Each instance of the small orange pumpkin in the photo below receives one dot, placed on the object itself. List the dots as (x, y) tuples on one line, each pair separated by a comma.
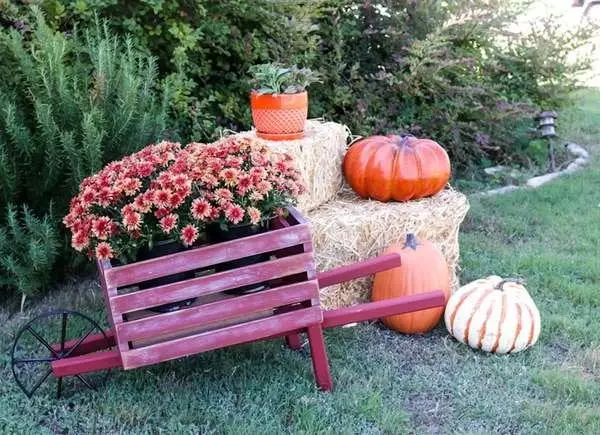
[(423, 270), (396, 168)]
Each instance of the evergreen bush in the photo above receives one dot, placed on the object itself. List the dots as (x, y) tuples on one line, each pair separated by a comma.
[(70, 103)]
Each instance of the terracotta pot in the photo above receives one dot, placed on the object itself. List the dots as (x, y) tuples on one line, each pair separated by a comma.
[(279, 116)]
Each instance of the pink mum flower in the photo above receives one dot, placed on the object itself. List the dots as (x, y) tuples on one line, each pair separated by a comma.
[(254, 215), (168, 223), (132, 221), (141, 204), (162, 197), (87, 197), (244, 184), (104, 251), (281, 166), (131, 186), (223, 195), (234, 213), (264, 187), (201, 209), (79, 241), (256, 196), (189, 234), (101, 227), (229, 176)]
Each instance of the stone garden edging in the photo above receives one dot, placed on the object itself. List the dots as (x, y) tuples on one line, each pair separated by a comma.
[(582, 159)]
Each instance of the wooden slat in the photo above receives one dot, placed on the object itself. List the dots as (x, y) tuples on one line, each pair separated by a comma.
[(229, 336), (206, 256), (216, 311), (358, 270), (211, 283)]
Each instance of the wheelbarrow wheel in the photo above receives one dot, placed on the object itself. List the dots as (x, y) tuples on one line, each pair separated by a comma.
[(49, 337)]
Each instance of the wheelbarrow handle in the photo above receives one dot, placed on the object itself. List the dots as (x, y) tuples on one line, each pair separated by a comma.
[(358, 270), (389, 307)]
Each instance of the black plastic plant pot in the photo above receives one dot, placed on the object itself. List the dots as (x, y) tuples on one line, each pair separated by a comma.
[(160, 249), (216, 234)]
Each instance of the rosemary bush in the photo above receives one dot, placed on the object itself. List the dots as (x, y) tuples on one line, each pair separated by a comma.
[(70, 104)]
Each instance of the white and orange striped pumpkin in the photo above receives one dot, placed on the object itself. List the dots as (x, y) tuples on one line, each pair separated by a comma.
[(493, 314)]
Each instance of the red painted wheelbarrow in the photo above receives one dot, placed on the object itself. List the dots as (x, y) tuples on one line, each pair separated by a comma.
[(65, 343)]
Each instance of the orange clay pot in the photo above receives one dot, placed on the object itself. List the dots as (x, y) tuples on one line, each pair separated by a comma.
[(279, 116)]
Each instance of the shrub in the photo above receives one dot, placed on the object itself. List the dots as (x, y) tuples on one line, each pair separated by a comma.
[(205, 47), (445, 70), (70, 104), (28, 250), (452, 70)]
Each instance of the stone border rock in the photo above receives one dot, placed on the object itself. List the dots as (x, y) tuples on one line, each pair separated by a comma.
[(582, 159)]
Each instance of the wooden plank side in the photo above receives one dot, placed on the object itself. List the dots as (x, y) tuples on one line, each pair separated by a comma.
[(217, 311), (224, 337), (114, 318), (212, 283), (296, 215), (207, 256)]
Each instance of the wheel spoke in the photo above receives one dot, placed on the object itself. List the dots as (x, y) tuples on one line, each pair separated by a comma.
[(86, 383), (40, 382), (33, 360), (81, 340), (63, 332), (41, 340), (58, 388)]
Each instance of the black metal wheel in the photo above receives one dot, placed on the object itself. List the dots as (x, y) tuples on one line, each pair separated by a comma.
[(50, 337)]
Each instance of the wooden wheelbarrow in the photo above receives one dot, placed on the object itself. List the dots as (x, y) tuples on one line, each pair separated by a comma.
[(218, 317)]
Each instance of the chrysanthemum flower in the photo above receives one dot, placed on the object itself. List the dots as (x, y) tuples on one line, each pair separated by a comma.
[(189, 234), (80, 240), (254, 215), (264, 187), (223, 195), (104, 251), (162, 197), (141, 205), (132, 221), (101, 227), (229, 176), (168, 223), (201, 209), (234, 213)]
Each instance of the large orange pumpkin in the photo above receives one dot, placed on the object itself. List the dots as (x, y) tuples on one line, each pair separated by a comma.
[(423, 270), (396, 167)]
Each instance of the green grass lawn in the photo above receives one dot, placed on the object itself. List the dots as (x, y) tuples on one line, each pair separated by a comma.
[(384, 382)]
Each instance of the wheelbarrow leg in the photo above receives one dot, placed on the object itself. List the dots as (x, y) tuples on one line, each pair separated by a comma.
[(318, 355), (293, 341)]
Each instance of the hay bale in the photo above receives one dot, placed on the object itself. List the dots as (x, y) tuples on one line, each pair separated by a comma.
[(349, 229), (319, 157)]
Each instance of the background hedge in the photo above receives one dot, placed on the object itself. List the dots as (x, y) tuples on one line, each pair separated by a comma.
[(454, 71)]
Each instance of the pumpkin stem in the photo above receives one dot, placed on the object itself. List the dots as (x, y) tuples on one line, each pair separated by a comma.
[(500, 285), (404, 138), (411, 241)]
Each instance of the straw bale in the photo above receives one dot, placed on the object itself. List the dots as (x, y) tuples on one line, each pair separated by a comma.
[(319, 156), (349, 229)]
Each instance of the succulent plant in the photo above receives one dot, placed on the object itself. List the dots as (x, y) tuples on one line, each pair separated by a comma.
[(273, 78)]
